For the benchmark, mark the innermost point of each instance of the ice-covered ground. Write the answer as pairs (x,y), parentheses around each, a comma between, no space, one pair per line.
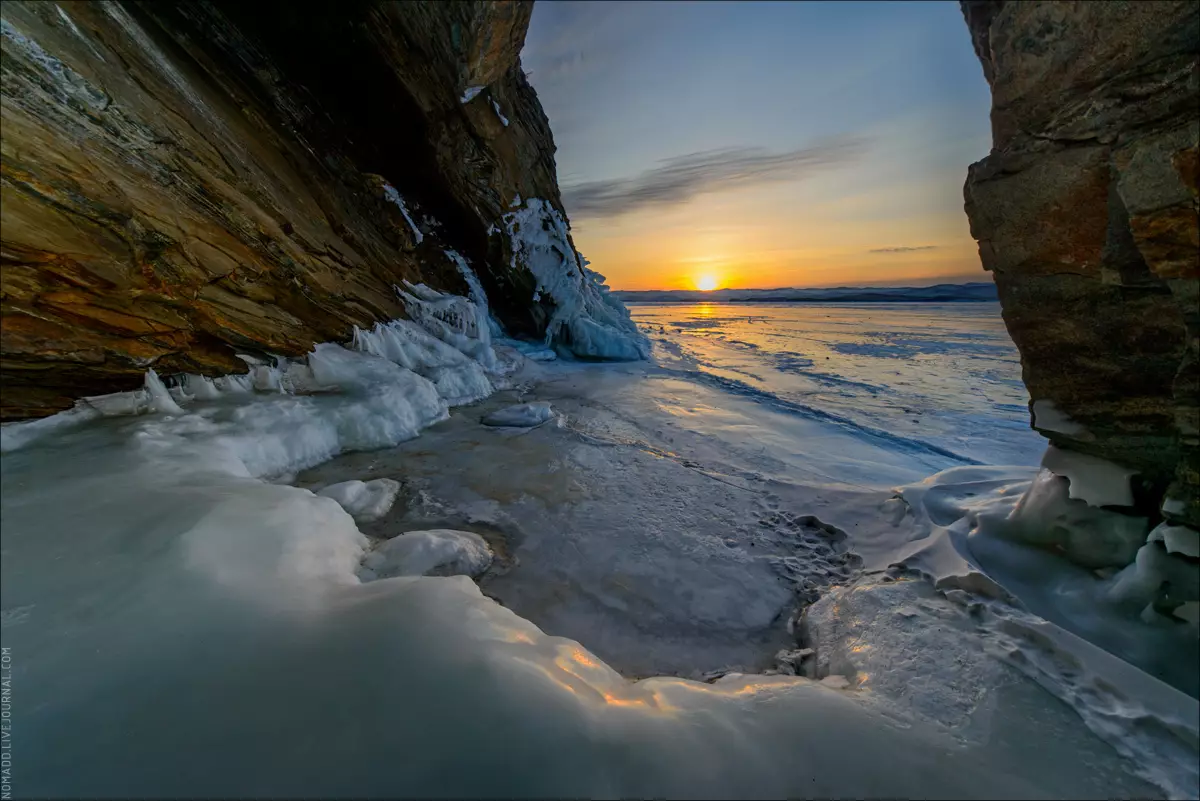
(662,549)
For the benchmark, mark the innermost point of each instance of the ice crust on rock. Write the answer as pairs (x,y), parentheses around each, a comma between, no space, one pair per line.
(587,319)
(419,553)
(1177,539)
(394,380)
(366,501)
(457,321)
(392,195)
(1048,417)
(1093,480)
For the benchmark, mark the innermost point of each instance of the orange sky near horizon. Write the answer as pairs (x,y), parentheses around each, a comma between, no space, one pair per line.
(786,236)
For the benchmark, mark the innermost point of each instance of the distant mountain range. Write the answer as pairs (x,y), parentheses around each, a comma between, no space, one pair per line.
(939,293)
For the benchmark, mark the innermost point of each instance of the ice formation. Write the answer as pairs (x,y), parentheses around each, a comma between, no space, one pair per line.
(1034,614)
(418,553)
(587,319)
(470,93)
(391,194)
(366,501)
(1049,514)
(455,320)
(459,379)
(524,415)
(1093,480)
(1177,539)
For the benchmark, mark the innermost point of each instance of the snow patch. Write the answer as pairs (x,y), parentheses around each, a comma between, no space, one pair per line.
(78,33)
(587,319)
(366,501)
(1048,417)
(470,94)
(418,553)
(503,119)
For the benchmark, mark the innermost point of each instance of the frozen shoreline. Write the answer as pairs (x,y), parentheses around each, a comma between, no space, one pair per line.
(665,527)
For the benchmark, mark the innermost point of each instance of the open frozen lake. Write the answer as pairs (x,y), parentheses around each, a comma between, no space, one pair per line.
(943,378)
(764,564)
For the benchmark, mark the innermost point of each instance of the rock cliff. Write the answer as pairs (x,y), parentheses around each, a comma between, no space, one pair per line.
(1086,214)
(184,182)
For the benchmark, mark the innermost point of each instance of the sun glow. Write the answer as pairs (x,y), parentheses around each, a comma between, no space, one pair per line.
(706,283)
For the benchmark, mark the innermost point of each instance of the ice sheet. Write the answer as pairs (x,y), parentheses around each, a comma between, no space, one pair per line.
(222,620)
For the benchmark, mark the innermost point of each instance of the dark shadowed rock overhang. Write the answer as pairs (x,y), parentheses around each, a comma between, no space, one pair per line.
(183,181)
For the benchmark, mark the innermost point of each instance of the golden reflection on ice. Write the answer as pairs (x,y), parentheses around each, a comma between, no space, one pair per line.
(513,635)
(586,677)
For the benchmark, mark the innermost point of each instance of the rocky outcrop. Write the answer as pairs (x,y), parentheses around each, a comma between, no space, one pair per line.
(1086,214)
(184,182)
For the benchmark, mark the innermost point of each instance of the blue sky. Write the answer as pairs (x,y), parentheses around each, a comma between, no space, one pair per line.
(767,144)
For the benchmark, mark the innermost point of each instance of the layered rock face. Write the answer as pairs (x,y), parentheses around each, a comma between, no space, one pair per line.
(184,182)
(1086,214)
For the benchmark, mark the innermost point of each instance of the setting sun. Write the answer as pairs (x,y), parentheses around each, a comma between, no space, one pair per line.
(706,283)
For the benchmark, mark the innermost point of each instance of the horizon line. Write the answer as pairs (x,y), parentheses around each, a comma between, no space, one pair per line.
(919,283)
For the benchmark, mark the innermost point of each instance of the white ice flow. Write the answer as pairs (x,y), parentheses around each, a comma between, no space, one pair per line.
(392,195)
(587,319)
(181,626)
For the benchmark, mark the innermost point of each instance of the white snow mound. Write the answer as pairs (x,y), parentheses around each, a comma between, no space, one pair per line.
(417,553)
(523,415)
(364,500)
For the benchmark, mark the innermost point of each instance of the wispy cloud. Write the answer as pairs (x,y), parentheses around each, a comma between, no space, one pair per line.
(682,178)
(903,249)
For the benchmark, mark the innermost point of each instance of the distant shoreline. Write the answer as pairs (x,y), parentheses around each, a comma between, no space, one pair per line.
(817,300)
(939,293)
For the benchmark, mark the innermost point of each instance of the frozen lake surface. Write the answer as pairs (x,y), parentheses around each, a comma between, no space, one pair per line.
(941,378)
(748,568)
